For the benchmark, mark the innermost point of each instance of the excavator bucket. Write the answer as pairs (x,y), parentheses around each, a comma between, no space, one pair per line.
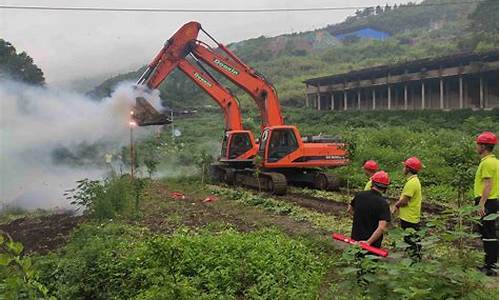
(144,114)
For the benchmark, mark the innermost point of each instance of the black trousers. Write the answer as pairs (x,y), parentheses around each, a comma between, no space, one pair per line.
(489,233)
(415,248)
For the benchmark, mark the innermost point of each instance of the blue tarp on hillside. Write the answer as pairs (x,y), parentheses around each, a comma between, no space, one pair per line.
(365,33)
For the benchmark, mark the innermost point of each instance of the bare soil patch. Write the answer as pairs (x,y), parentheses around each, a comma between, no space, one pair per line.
(42,234)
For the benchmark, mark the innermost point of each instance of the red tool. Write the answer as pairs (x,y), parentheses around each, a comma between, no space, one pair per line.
(178,196)
(210,198)
(364,246)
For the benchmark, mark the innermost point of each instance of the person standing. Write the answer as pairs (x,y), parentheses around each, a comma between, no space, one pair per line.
(371,212)
(410,203)
(369,167)
(486,197)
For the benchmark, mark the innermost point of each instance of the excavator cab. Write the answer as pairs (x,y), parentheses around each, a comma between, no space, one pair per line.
(237,144)
(276,143)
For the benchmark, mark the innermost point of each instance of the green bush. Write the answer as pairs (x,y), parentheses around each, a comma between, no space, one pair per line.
(107,198)
(18,280)
(451,274)
(368,278)
(123,262)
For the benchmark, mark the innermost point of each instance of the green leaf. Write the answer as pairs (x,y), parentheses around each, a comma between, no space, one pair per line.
(16,247)
(490,217)
(5,259)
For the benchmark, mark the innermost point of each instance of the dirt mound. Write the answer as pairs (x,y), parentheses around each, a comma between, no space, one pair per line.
(42,234)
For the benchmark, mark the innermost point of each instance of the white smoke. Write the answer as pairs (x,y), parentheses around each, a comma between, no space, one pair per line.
(36,120)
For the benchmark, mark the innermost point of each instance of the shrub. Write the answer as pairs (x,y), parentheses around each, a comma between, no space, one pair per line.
(105,199)
(118,261)
(18,280)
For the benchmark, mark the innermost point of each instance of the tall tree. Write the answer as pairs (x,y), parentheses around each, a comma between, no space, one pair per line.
(18,66)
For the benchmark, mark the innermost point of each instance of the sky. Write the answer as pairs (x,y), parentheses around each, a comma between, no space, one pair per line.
(73,45)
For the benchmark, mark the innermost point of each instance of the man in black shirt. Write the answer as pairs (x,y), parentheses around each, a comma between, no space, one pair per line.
(371,211)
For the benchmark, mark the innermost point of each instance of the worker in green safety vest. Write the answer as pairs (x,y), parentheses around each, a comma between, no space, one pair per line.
(409,206)
(486,197)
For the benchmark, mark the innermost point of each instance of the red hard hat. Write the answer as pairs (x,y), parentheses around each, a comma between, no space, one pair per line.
(370,165)
(381,178)
(487,137)
(413,163)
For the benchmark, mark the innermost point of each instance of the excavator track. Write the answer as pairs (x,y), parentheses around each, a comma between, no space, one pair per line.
(216,172)
(311,178)
(271,182)
(276,182)
(325,181)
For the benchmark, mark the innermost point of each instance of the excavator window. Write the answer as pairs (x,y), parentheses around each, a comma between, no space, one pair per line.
(282,143)
(263,141)
(224,146)
(240,143)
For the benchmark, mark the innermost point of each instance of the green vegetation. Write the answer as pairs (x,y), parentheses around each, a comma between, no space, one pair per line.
(18,66)
(106,199)
(114,261)
(140,241)
(122,259)
(443,140)
(405,17)
(299,214)
(439,139)
(18,279)
(438,278)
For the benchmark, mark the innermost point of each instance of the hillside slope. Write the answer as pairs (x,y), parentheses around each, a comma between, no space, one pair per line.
(434,28)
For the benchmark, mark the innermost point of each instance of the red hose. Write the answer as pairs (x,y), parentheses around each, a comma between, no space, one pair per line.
(364,246)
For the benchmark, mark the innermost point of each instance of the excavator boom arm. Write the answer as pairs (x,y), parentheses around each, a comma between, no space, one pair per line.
(184,42)
(232,113)
(172,56)
(246,78)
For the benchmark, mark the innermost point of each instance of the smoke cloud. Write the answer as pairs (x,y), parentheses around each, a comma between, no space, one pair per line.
(37,120)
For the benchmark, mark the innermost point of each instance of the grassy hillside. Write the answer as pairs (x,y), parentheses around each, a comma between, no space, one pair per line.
(419,31)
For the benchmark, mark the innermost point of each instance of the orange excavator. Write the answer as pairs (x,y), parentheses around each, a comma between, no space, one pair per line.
(238,144)
(284,156)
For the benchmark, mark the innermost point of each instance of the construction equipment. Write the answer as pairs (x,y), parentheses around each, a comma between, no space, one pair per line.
(283,155)
(144,114)
(238,145)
